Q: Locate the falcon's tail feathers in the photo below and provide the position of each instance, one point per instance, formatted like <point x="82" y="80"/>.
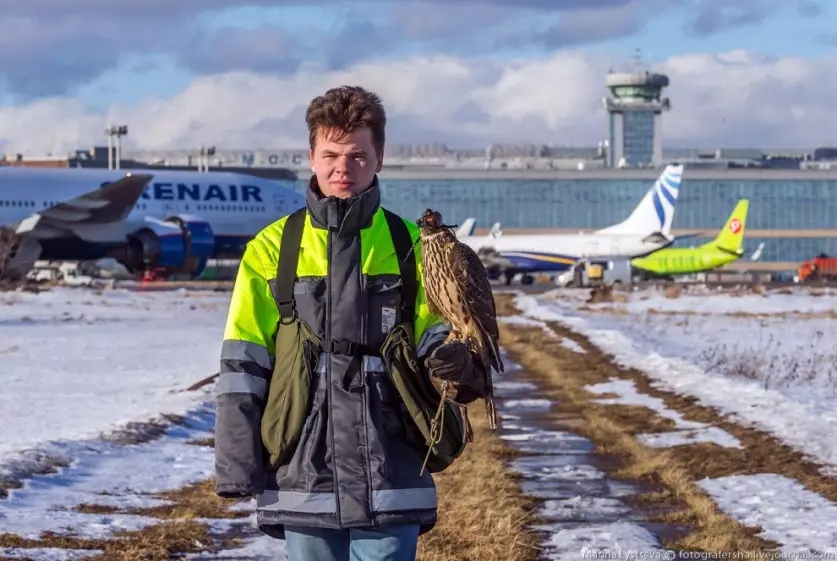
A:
<point x="491" y="360"/>
<point x="491" y="412"/>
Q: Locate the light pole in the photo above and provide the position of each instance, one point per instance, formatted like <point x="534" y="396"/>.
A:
<point x="118" y="131"/>
<point x="203" y="162"/>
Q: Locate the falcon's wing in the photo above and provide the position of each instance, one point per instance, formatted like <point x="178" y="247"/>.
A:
<point x="472" y="279"/>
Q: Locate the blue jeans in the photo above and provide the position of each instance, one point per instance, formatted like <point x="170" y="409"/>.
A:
<point x="397" y="543"/>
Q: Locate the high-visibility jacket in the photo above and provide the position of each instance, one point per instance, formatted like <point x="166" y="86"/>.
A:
<point x="353" y="466"/>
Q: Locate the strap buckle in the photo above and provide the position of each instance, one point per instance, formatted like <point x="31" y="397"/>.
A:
<point x="287" y="311"/>
<point x="349" y="348"/>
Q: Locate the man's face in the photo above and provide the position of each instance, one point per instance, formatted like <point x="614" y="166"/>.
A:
<point x="345" y="167"/>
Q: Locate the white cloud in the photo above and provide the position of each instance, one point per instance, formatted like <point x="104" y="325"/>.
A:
<point x="730" y="99"/>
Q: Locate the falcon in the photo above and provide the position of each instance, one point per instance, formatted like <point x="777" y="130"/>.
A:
<point x="457" y="289"/>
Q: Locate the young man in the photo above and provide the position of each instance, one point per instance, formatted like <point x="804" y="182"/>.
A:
<point x="340" y="481"/>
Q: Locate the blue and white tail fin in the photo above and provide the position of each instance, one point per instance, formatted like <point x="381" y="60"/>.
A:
<point x="495" y="232"/>
<point x="655" y="212"/>
<point x="466" y="228"/>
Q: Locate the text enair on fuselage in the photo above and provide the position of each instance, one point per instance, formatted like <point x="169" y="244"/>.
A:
<point x="196" y="192"/>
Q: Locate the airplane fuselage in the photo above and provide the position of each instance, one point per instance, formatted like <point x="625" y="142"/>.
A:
<point x="236" y="206"/>
<point x="684" y="261"/>
<point x="545" y="253"/>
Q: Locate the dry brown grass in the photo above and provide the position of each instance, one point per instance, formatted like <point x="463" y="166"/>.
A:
<point x="193" y="501"/>
<point x="179" y="530"/>
<point x="482" y="513"/>
<point x="827" y="314"/>
<point x="614" y="429"/>
<point x="155" y="543"/>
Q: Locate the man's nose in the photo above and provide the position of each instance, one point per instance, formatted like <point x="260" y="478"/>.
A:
<point x="341" y="162"/>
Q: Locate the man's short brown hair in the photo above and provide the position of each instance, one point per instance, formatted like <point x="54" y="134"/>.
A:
<point x="345" y="109"/>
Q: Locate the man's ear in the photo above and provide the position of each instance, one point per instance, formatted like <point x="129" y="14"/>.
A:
<point x="311" y="159"/>
<point x="380" y="163"/>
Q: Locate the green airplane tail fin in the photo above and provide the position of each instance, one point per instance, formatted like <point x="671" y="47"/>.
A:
<point x="731" y="238"/>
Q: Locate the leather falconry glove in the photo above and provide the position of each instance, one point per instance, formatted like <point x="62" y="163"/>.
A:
<point x="453" y="362"/>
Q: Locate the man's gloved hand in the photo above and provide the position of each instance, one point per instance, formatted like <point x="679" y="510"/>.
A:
<point x="453" y="362"/>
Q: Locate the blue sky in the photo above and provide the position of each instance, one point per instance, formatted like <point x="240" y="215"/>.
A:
<point x="108" y="57"/>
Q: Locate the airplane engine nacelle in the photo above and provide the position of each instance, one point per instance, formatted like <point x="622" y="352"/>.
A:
<point x="181" y="244"/>
<point x="199" y="241"/>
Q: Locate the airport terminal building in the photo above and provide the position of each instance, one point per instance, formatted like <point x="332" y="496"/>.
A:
<point x="793" y="212"/>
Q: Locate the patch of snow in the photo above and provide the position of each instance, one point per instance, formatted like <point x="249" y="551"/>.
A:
<point x="690" y="436"/>
<point x="527" y="322"/>
<point x="686" y="432"/>
<point x="528" y="403"/>
<point x="618" y="540"/>
<point x="572" y="345"/>
<point x="787" y="512"/>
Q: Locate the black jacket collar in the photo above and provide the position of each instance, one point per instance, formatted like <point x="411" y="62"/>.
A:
<point x="346" y="216"/>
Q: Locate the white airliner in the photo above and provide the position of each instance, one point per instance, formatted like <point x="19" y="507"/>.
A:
<point x="646" y="230"/>
<point x="175" y="220"/>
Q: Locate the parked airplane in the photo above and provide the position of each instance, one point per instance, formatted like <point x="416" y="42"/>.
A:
<point x="647" y="229"/>
<point x="175" y="220"/>
<point x="728" y="246"/>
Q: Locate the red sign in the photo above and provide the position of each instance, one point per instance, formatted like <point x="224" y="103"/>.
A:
<point x="735" y="226"/>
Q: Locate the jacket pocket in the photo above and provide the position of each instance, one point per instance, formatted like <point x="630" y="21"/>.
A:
<point x="383" y="308"/>
<point x="290" y="391"/>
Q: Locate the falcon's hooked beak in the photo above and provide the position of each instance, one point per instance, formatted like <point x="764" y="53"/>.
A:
<point x="430" y="219"/>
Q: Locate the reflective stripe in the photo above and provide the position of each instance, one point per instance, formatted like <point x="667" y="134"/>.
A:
<point x="373" y="364"/>
<point x="236" y="349"/>
<point x="404" y="499"/>
<point x="386" y="500"/>
<point x="434" y="334"/>
<point x="241" y="382"/>
<point x="296" y="501"/>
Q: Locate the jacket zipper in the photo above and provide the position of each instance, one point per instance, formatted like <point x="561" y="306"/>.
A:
<point x="329" y="398"/>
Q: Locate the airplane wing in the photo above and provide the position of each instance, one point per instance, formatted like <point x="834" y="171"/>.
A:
<point x="658" y="237"/>
<point x="110" y="203"/>
<point x="490" y="257"/>
<point x="692" y="235"/>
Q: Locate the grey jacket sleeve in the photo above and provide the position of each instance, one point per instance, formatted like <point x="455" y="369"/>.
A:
<point x="246" y="367"/>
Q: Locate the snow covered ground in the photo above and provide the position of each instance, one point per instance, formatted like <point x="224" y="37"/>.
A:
<point x="79" y="365"/>
<point x="768" y="360"/>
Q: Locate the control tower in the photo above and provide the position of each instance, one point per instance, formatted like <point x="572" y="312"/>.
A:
<point x="634" y="119"/>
